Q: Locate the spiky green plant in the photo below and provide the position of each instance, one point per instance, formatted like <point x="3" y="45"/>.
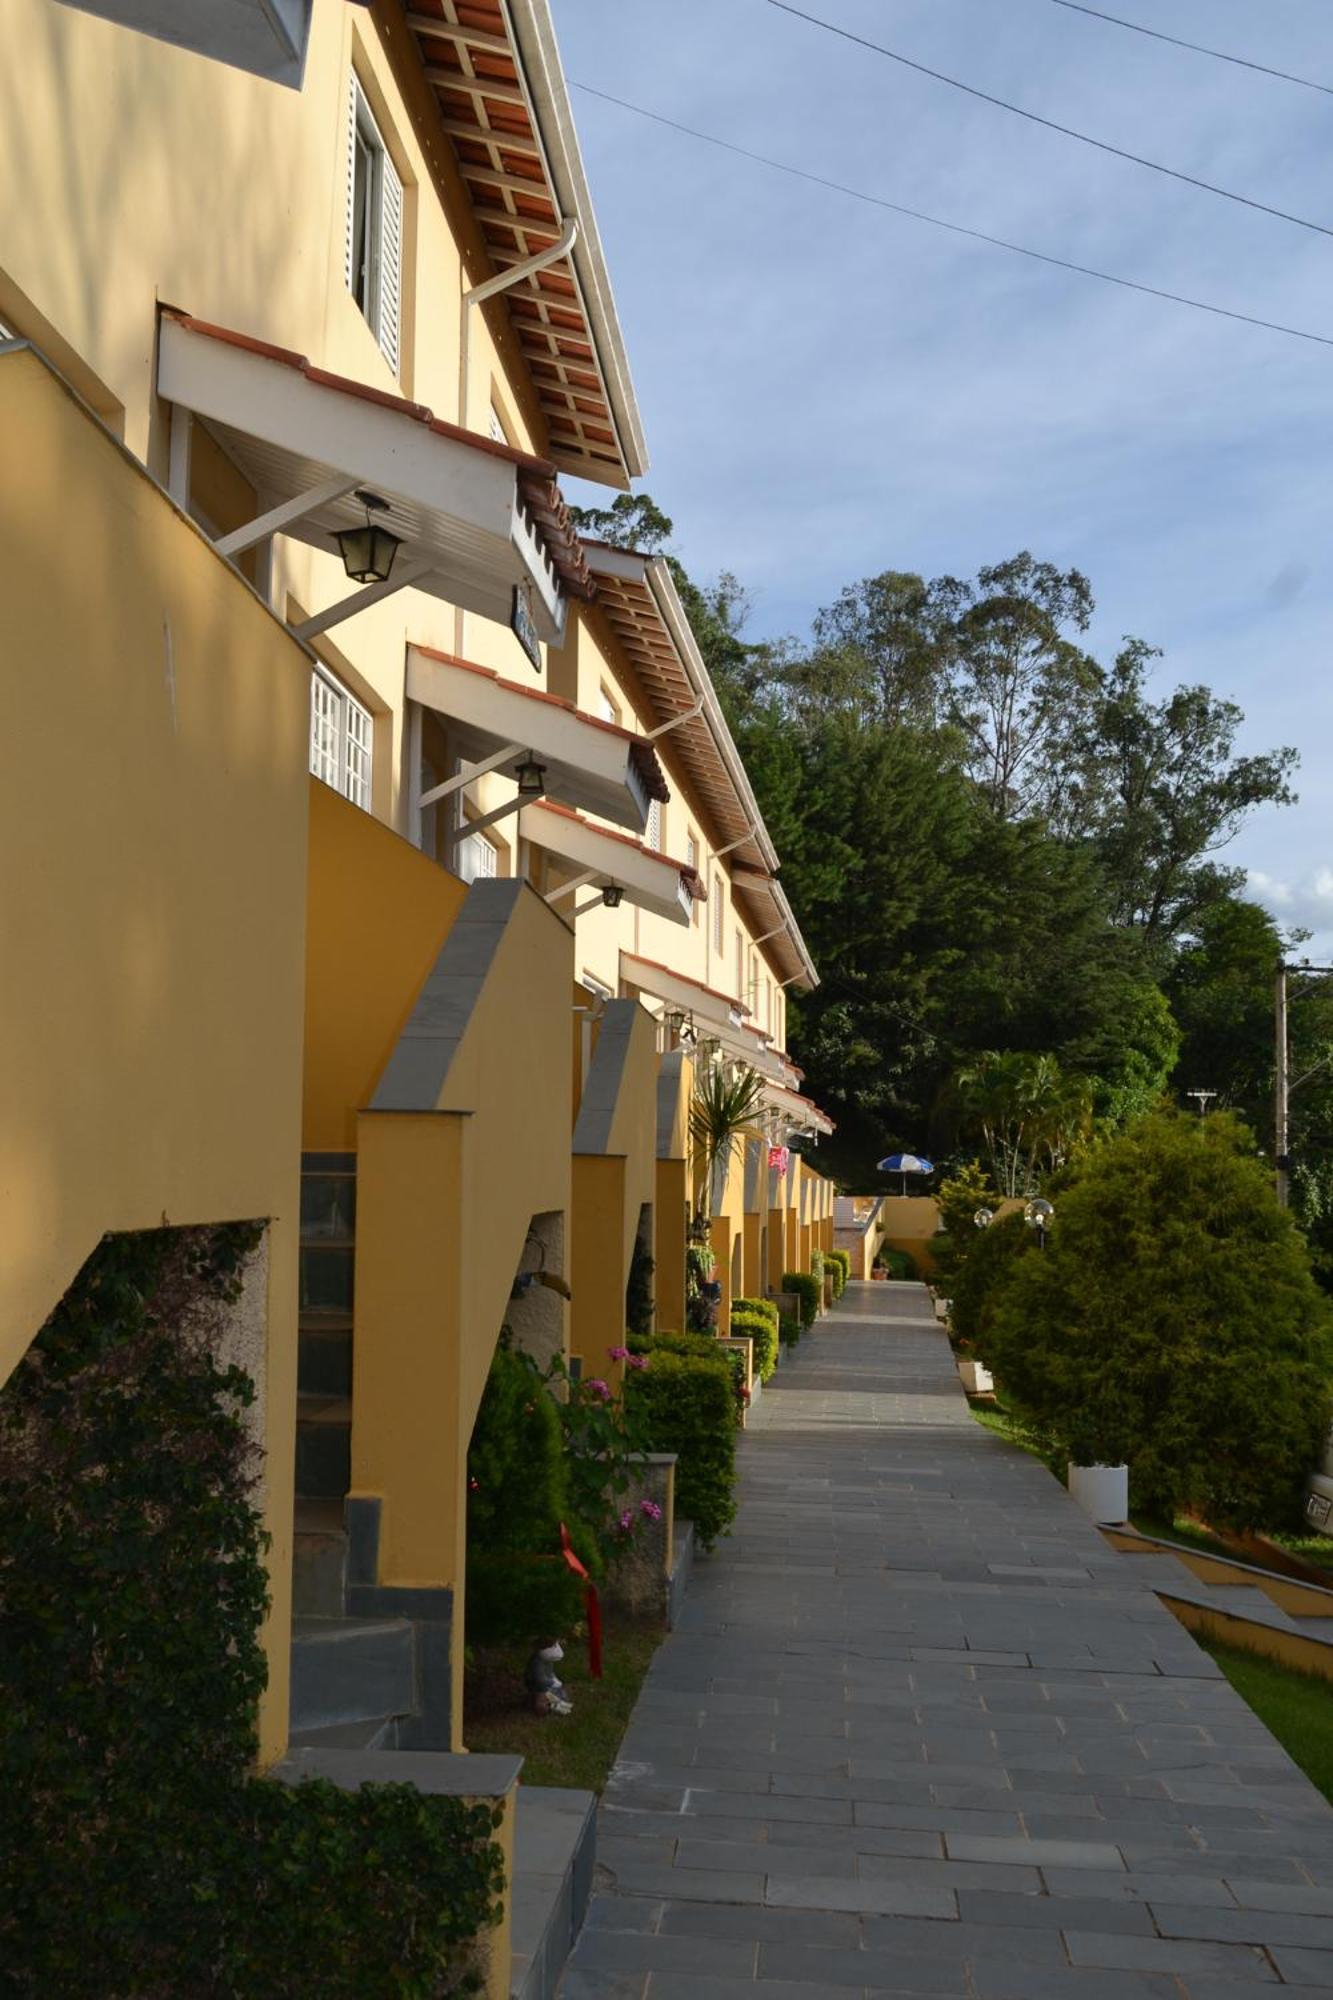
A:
<point x="723" y="1113"/>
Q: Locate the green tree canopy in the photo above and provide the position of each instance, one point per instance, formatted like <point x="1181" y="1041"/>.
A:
<point x="1173" y="1323"/>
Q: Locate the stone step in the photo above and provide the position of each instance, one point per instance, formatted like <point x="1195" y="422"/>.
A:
<point x="319" y="1558"/>
<point x="323" y="1446"/>
<point x="324" y="1354"/>
<point x="349" y="1670"/>
<point x="378" y="1732"/>
<point x="555" y="1847"/>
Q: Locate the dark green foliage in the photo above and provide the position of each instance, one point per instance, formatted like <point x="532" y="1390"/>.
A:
<point x="687" y="1401"/>
<point x="976" y="1282"/>
<point x="789" y="1332"/>
<point x="757" y="1327"/>
<point x="899" y="1263"/>
<point x="137" y="1857"/>
<point x="1173" y="1322"/>
<point x="817" y="1265"/>
<point x="809" y="1294"/>
<point x="639" y="1289"/>
<point x="524" y="1454"/>
<point x="840" y="1262"/>
<point x="601" y="1436"/>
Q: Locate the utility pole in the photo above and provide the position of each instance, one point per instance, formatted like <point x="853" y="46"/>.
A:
<point x="1281" y="1088"/>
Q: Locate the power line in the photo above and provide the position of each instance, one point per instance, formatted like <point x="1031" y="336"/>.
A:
<point x="1198" y="48"/>
<point x="1035" y="118"/>
<point x="954" y="228"/>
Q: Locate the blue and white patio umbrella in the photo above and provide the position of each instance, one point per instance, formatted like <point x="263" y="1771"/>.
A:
<point x="905" y="1164"/>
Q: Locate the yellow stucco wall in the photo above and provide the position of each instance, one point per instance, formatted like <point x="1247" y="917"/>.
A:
<point x="377" y="914"/>
<point x="150" y="987"/>
<point x="610" y="1190"/>
<point x="445" y="1197"/>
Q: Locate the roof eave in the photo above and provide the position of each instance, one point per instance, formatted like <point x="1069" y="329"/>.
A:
<point x="533" y="34"/>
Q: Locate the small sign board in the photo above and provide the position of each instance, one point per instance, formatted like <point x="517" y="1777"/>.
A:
<point x="779" y="1159"/>
<point x="525" y="631"/>
<point x="1317" y="1509"/>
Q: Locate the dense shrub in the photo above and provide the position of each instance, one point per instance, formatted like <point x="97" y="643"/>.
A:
<point x="840" y="1262"/>
<point x="898" y="1263"/>
<point x="137" y="1857"/>
<point x="757" y="1320"/>
<point x="1173" y="1322"/>
<point x="808" y="1293"/>
<point x="518" y="1495"/>
<point x="704" y="1347"/>
<point x="977" y="1283"/>
<point x="789" y="1332"/>
<point x="817" y="1266"/>
<point x="639" y="1289"/>
<point x="688" y="1402"/>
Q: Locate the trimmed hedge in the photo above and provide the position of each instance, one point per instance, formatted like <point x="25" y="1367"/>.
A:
<point x="898" y="1263"/>
<point x="841" y="1261"/>
<point x="817" y="1265"/>
<point x="789" y="1332"/>
<point x="809" y="1292"/>
<point x="688" y="1401"/>
<point x="764" y="1333"/>
<point x="137" y="1854"/>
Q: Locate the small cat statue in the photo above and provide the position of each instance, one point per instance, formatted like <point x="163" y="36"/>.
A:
<point x="545" y="1688"/>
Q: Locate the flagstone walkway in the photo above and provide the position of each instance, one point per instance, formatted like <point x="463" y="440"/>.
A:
<point x="921" y="1732"/>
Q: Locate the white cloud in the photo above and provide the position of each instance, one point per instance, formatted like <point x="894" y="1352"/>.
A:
<point x="1306" y="904"/>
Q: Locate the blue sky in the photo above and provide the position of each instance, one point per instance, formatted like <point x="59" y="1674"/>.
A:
<point x="830" y="390"/>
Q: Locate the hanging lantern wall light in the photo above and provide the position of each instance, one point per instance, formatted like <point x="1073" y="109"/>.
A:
<point x="368" y="552"/>
<point x="612" y="895"/>
<point x="531" y="778"/>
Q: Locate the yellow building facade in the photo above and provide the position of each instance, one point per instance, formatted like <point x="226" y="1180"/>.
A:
<point x="485" y="880"/>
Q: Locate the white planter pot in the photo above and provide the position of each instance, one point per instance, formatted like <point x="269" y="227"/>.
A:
<point x="976" y="1378"/>
<point x="1102" y="1491"/>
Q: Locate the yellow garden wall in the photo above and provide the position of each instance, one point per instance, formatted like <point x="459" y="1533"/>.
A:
<point x="152" y="780"/>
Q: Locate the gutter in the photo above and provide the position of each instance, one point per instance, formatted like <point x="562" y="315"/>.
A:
<point x="533" y="34"/>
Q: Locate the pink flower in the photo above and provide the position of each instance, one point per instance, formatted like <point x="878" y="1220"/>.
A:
<point x="636" y="1360"/>
<point x="651" y="1509"/>
<point x="627" y="1521"/>
<point x="618" y="1353"/>
<point x="596" y="1387"/>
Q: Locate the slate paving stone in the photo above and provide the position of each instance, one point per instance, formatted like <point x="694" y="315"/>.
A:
<point x="920" y="1732"/>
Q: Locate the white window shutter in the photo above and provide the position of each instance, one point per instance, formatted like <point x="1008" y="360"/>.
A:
<point x="391" y="262"/>
<point x="353" y="92"/>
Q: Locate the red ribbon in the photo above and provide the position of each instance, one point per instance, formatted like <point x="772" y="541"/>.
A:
<point x="592" y="1605"/>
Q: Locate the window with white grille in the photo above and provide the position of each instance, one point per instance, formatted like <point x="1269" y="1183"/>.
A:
<point x="740" y="968"/>
<point x="342" y="739"/>
<point x="606" y="707"/>
<point x="476" y="858"/>
<point x="719" y="914"/>
<point x="652" y="833"/>
<point x="374" y="257"/>
<point x="692" y="861"/>
<point x="498" y="432"/>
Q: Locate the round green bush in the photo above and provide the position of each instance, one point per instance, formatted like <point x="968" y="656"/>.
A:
<point x="688" y="1403"/>
<point x="747" y="1325"/>
<point x="808" y="1291"/>
<point x="1173" y="1322"/>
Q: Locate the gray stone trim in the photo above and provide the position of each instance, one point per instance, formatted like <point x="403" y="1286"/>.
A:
<point x="668" y="1096"/>
<point x="416" y="1072"/>
<point x="457" y="1776"/>
<point x="606" y="1075"/>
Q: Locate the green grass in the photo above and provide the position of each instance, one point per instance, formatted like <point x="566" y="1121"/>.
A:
<point x="995" y="1415"/>
<point x="569" y="1750"/>
<point x="1297" y="1708"/>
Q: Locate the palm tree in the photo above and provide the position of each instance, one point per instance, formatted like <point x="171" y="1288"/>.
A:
<point x="723" y="1109"/>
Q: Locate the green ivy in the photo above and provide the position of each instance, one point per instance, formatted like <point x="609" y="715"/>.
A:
<point x="138" y="1857"/>
<point x="687" y="1401"/>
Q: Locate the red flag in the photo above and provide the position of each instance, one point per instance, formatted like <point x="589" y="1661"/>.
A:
<point x="592" y="1604"/>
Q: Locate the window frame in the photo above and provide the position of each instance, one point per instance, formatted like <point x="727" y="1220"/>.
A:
<point x="351" y="755"/>
<point x="381" y="275"/>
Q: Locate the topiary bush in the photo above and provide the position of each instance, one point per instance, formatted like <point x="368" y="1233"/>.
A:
<point x="519" y="1587"/>
<point x="687" y="1402"/>
<point x="840" y="1263"/>
<point x="808" y="1292"/>
<point x="137" y="1855"/>
<point x="789" y="1332"/>
<point x="1173" y="1322"/>
<point x="761" y="1327"/>
<point x="817" y="1266"/>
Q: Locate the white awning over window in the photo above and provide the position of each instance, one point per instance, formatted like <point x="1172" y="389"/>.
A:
<point x="476" y="519"/>
<point x="587" y="763"/>
<point x="603" y="859"/>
